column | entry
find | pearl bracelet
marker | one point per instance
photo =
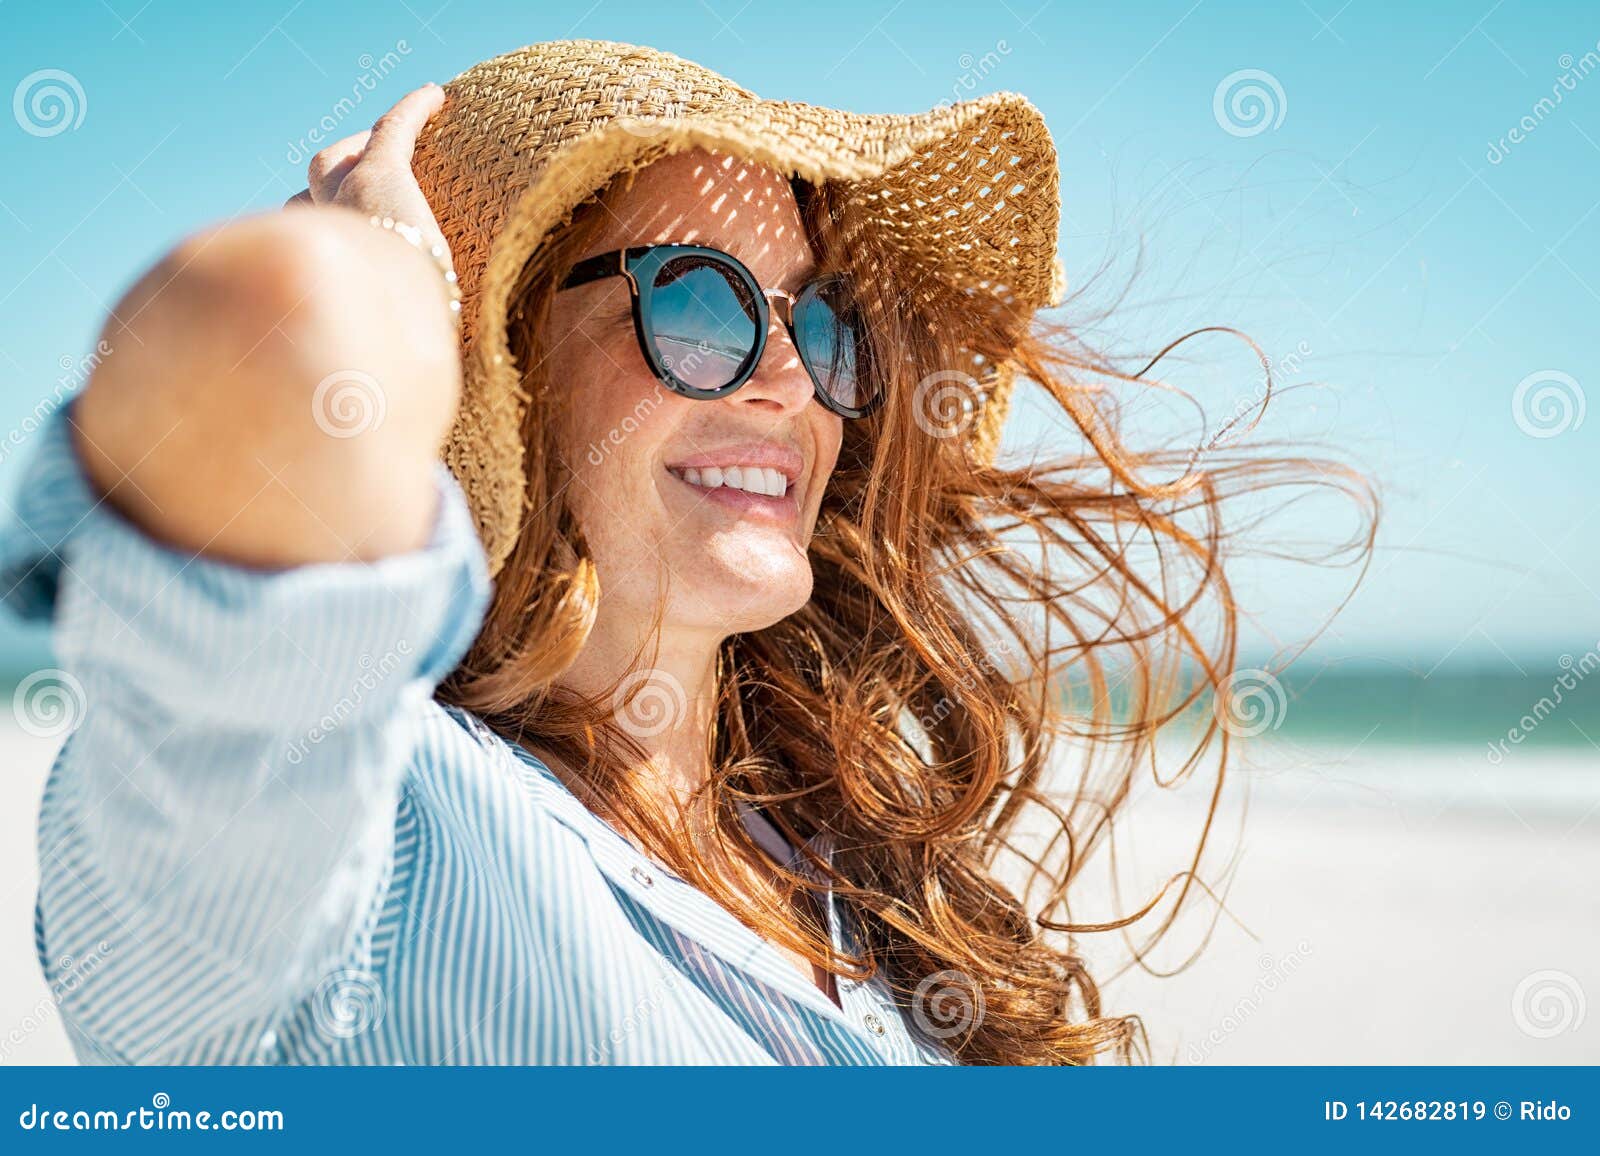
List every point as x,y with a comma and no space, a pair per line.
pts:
436,252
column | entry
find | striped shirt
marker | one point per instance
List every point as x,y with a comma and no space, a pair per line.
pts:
264,840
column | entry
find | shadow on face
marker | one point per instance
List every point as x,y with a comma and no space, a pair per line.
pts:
710,503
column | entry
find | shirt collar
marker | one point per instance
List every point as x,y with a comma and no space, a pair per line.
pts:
677,902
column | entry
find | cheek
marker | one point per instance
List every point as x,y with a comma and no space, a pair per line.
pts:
615,425
612,408
827,433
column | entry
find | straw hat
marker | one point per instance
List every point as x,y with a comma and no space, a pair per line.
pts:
967,193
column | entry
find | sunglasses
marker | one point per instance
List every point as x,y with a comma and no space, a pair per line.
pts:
702,320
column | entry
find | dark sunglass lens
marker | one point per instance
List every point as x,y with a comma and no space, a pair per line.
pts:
832,344
704,321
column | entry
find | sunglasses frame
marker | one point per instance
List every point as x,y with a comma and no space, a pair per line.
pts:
640,264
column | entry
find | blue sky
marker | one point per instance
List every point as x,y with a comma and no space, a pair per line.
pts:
1403,260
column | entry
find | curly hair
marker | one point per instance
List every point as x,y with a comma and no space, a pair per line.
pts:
984,664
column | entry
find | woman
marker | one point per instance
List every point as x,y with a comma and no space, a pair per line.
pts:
722,766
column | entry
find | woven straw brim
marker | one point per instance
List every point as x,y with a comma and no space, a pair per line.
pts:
967,194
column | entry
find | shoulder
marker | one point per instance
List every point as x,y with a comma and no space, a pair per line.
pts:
482,817
491,787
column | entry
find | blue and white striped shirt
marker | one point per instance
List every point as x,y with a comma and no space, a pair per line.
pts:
266,842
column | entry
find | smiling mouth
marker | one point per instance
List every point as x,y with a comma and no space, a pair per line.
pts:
755,481
754,492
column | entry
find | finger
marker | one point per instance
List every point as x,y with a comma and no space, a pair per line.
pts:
303,197
330,165
394,137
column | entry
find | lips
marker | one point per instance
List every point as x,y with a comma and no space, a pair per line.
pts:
756,477
763,480
742,490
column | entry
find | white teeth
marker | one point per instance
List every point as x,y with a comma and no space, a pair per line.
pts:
751,479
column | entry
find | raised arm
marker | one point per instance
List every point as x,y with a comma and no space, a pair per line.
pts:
251,628
277,389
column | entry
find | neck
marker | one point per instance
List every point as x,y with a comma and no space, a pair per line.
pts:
673,705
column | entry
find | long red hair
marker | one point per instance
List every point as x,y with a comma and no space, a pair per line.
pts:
982,670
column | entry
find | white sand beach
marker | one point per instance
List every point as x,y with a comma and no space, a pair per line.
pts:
1389,906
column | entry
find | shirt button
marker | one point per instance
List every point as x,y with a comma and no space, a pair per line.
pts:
874,1024
643,877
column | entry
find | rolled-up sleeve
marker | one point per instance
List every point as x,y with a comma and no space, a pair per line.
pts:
218,829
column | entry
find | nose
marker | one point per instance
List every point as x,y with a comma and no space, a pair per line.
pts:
781,383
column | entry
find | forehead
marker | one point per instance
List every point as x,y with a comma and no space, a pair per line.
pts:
707,198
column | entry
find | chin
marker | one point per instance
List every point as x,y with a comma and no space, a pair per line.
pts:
739,602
